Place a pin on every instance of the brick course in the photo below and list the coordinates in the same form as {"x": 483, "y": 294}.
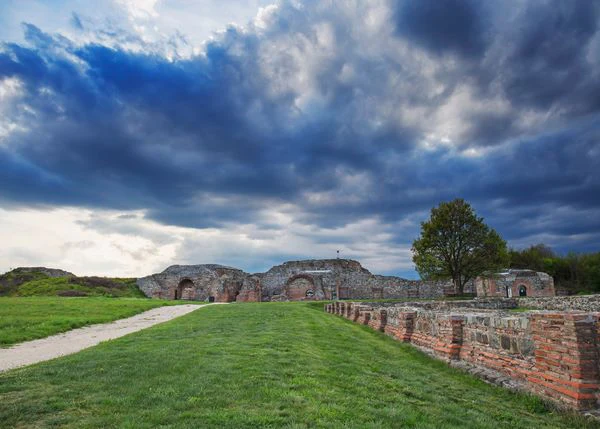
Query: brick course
{"x": 555, "y": 355}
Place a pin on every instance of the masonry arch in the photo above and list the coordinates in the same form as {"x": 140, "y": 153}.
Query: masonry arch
{"x": 185, "y": 290}
{"x": 300, "y": 287}
{"x": 522, "y": 290}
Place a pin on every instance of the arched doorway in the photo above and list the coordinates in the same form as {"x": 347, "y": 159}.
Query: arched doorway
{"x": 300, "y": 287}
{"x": 185, "y": 290}
{"x": 522, "y": 290}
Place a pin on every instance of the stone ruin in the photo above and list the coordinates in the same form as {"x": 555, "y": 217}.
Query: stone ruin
{"x": 549, "y": 347}
{"x": 325, "y": 279}
{"x": 314, "y": 279}
{"x": 515, "y": 283}
{"x": 210, "y": 282}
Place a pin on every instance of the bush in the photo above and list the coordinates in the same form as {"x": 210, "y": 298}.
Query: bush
{"x": 71, "y": 293}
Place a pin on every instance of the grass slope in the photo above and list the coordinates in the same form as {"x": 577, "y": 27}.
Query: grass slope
{"x": 23, "y": 319}
{"x": 261, "y": 365}
{"x": 10, "y": 281}
{"x": 34, "y": 282}
{"x": 79, "y": 286}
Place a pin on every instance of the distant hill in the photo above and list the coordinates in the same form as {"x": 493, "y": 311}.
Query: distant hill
{"x": 42, "y": 281}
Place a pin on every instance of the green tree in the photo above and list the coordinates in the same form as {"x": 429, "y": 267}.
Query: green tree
{"x": 590, "y": 267}
{"x": 536, "y": 258}
{"x": 574, "y": 272}
{"x": 456, "y": 244}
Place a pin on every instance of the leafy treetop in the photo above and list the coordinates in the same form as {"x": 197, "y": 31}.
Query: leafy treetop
{"x": 455, "y": 243}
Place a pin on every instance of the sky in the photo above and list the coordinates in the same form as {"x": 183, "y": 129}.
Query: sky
{"x": 144, "y": 133}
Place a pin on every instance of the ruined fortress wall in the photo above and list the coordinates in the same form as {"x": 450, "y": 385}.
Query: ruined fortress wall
{"x": 251, "y": 290}
{"x": 552, "y": 354}
{"x": 345, "y": 279}
{"x": 562, "y": 303}
{"x": 501, "y": 342}
{"x": 536, "y": 284}
{"x": 319, "y": 279}
{"x": 458, "y": 305}
{"x": 324, "y": 274}
{"x": 390, "y": 287}
{"x": 194, "y": 282}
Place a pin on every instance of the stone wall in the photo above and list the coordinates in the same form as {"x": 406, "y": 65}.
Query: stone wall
{"x": 477, "y": 303}
{"x": 314, "y": 279}
{"x": 500, "y": 342}
{"x": 514, "y": 283}
{"x": 563, "y": 303}
{"x": 251, "y": 290}
{"x": 342, "y": 279}
{"x": 209, "y": 282}
{"x": 552, "y": 354}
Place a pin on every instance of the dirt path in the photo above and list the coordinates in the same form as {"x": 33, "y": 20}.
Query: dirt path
{"x": 76, "y": 340}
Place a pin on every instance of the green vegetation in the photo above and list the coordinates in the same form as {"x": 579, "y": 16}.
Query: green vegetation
{"x": 79, "y": 286}
{"x": 575, "y": 273}
{"x": 23, "y": 282}
{"x": 9, "y": 282}
{"x": 261, "y": 365}
{"x": 455, "y": 243}
{"x": 23, "y": 319}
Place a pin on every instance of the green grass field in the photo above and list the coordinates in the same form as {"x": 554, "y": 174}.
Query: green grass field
{"x": 261, "y": 365}
{"x": 80, "y": 286}
{"x": 23, "y": 319}
{"x": 37, "y": 283}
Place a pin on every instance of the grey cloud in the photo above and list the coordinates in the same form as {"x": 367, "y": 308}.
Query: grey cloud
{"x": 316, "y": 104}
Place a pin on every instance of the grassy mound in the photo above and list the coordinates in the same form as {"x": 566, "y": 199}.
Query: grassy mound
{"x": 10, "y": 282}
{"x": 80, "y": 286}
{"x": 32, "y": 282}
{"x": 257, "y": 366}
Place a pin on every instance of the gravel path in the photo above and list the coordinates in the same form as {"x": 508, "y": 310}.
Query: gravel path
{"x": 73, "y": 341}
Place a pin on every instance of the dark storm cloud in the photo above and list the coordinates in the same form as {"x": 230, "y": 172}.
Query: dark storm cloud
{"x": 444, "y": 26}
{"x": 160, "y": 128}
{"x": 318, "y": 111}
{"x": 548, "y": 57}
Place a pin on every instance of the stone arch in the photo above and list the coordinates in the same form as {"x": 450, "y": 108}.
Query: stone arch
{"x": 185, "y": 289}
{"x": 522, "y": 290}
{"x": 300, "y": 287}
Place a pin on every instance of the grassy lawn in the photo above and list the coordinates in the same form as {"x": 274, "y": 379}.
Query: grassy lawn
{"x": 23, "y": 319}
{"x": 260, "y": 365}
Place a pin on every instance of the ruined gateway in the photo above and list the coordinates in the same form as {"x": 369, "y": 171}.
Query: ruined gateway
{"x": 513, "y": 282}
{"x": 314, "y": 279}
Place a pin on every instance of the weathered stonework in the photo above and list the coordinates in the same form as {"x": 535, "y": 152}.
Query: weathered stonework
{"x": 251, "y": 290}
{"x": 554, "y": 354}
{"x": 209, "y": 282}
{"x": 341, "y": 279}
{"x": 562, "y": 303}
{"x": 515, "y": 283}
{"x": 314, "y": 279}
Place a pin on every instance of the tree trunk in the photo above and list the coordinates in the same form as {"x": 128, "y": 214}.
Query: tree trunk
{"x": 458, "y": 286}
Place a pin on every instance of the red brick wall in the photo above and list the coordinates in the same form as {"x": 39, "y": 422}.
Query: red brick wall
{"x": 566, "y": 358}
{"x": 555, "y": 355}
{"x": 501, "y": 343}
{"x": 401, "y": 326}
{"x": 378, "y": 319}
